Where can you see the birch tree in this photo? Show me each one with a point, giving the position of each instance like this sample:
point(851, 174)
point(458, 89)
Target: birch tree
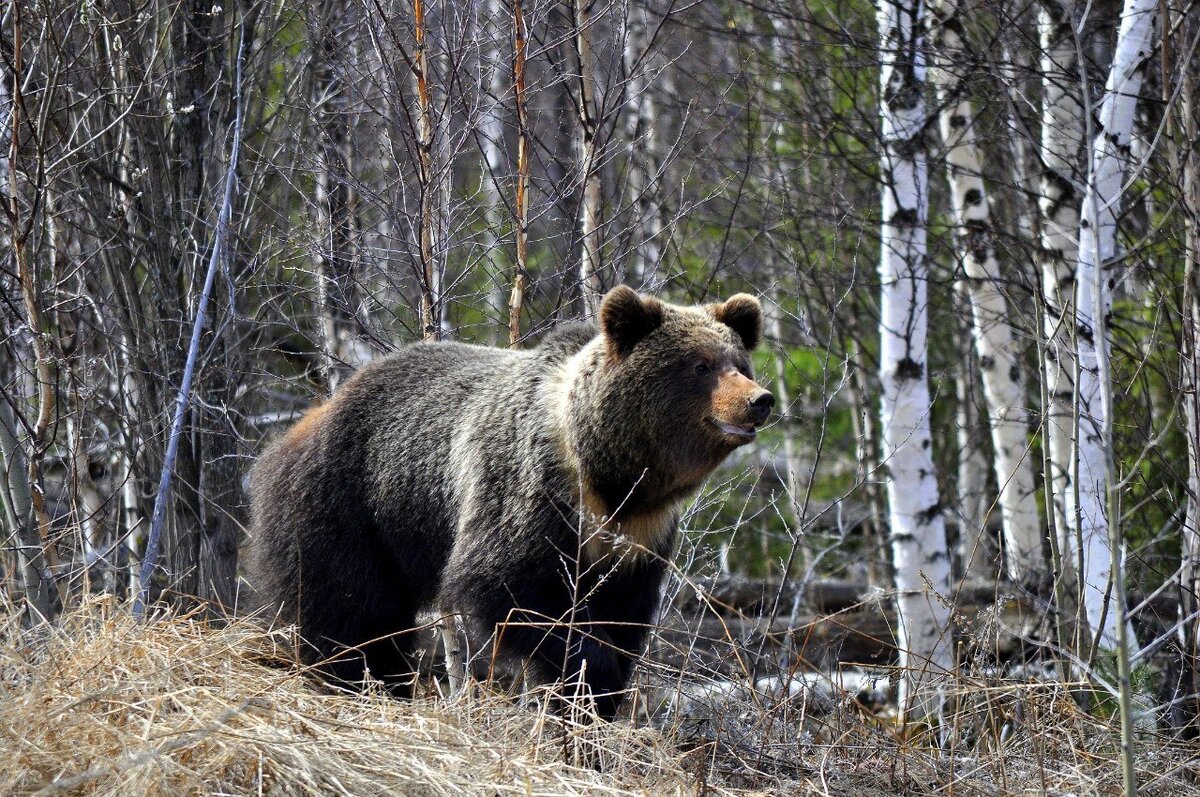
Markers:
point(341, 342)
point(1061, 155)
point(494, 82)
point(587, 133)
point(916, 524)
point(1090, 503)
point(521, 198)
point(427, 176)
point(641, 132)
point(992, 330)
point(1189, 591)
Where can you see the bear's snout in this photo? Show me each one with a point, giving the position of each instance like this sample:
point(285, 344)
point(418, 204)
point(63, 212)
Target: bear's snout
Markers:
point(740, 405)
point(760, 406)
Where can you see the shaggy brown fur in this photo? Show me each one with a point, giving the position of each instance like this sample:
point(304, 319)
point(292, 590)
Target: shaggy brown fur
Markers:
point(536, 492)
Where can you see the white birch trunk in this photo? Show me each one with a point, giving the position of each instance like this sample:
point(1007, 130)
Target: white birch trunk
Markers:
point(791, 456)
point(995, 339)
point(868, 473)
point(1086, 505)
point(443, 168)
point(1190, 388)
point(591, 285)
point(1190, 554)
point(339, 318)
point(774, 180)
point(491, 130)
point(641, 119)
point(520, 277)
point(1061, 155)
point(427, 177)
point(917, 528)
point(975, 550)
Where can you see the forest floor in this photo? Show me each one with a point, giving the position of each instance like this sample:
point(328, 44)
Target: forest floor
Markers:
point(103, 705)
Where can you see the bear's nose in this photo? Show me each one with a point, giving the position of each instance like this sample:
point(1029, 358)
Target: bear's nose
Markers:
point(760, 406)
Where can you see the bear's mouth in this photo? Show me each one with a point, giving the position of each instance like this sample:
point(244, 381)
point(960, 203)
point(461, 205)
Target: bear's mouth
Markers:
point(748, 432)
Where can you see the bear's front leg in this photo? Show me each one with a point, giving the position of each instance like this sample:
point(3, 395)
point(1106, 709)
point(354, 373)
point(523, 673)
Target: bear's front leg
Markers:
point(582, 658)
point(571, 654)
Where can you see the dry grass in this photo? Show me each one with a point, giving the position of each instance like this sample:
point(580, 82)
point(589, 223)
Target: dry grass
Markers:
point(102, 705)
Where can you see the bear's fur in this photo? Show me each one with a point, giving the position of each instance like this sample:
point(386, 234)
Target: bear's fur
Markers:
point(534, 493)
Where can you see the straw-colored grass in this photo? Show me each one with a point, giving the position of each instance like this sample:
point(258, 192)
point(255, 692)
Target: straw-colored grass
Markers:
point(100, 704)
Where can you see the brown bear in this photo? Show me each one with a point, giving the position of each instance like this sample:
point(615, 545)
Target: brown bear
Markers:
point(533, 493)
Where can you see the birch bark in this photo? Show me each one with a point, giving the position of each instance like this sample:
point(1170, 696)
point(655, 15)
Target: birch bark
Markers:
point(995, 339)
point(917, 528)
point(427, 177)
point(1091, 474)
point(1190, 389)
point(975, 551)
point(592, 287)
point(337, 301)
point(641, 119)
point(521, 198)
point(1061, 155)
point(493, 93)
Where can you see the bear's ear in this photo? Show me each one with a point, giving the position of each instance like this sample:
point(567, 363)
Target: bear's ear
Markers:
point(743, 314)
point(626, 318)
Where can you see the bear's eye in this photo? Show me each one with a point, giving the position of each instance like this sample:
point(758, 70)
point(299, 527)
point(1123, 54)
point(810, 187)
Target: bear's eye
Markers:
point(702, 369)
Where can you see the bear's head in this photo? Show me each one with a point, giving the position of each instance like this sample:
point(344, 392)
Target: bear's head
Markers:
point(681, 377)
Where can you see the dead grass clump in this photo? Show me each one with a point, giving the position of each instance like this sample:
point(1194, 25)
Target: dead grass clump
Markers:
point(99, 704)
point(103, 705)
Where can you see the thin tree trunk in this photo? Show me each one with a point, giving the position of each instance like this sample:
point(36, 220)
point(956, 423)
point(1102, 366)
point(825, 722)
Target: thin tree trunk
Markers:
point(494, 95)
point(974, 546)
point(442, 178)
point(917, 528)
point(641, 133)
point(1062, 159)
point(27, 279)
point(1000, 358)
point(131, 525)
point(1189, 603)
point(20, 518)
point(774, 180)
point(431, 327)
point(1094, 474)
point(868, 473)
point(521, 200)
point(1017, 73)
point(591, 284)
point(336, 295)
